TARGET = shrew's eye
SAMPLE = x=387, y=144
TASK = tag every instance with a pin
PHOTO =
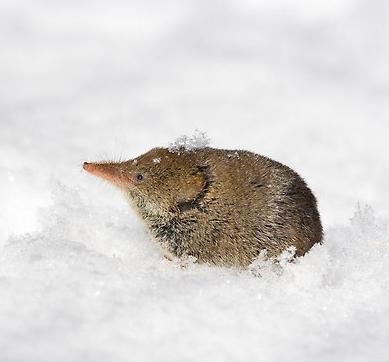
x=139, y=177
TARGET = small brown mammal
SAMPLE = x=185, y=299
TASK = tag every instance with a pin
x=222, y=207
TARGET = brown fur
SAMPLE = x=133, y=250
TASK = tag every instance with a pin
x=222, y=207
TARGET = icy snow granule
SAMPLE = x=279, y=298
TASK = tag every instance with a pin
x=190, y=143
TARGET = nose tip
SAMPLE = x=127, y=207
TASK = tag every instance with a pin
x=85, y=165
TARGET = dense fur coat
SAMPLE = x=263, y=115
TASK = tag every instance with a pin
x=222, y=207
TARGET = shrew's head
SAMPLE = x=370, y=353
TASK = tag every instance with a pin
x=158, y=181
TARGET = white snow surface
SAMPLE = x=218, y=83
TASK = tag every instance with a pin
x=306, y=83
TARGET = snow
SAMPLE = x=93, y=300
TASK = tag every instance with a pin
x=304, y=83
x=190, y=143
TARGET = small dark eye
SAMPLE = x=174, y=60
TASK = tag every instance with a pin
x=139, y=177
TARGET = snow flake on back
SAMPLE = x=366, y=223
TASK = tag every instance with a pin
x=186, y=143
x=233, y=155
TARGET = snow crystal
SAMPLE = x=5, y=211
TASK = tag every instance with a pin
x=190, y=143
x=233, y=155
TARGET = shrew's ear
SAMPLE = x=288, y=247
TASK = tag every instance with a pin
x=194, y=189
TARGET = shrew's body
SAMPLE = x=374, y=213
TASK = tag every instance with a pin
x=222, y=207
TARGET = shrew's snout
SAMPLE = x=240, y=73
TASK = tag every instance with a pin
x=108, y=171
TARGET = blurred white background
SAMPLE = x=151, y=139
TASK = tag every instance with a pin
x=304, y=82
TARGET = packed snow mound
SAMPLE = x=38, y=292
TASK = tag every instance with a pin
x=190, y=143
x=93, y=283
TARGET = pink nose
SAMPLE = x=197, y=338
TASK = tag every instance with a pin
x=108, y=171
x=98, y=169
